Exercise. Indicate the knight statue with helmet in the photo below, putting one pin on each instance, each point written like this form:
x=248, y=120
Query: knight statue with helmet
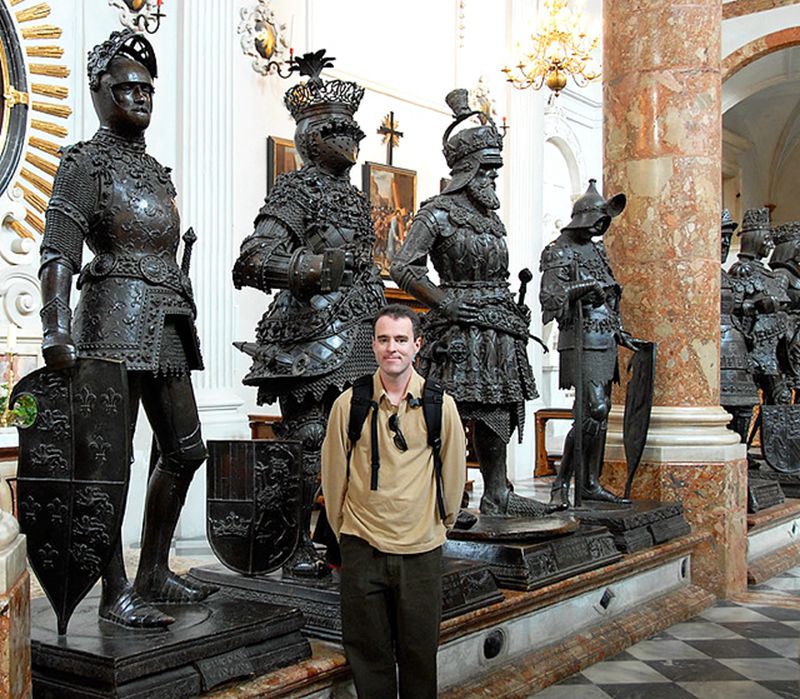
x=313, y=244
x=579, y=292
x=136, y=306
x=476, y=334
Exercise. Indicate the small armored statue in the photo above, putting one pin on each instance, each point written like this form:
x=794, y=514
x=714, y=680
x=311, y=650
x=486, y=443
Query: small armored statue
x=135, y=305
x=313, y=241
x=579, y=292
x=738, y=393
x=762, y=313
x=785, y=262
x=475, y=333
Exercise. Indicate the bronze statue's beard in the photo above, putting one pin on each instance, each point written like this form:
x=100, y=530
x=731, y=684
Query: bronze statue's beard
x=484, y=195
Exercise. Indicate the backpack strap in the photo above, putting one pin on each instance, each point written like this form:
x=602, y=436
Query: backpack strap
x=432, y=399
x=360, y=403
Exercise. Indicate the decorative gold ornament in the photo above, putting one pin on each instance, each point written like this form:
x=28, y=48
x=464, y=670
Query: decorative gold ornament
x=561, y=47
x=263, y=39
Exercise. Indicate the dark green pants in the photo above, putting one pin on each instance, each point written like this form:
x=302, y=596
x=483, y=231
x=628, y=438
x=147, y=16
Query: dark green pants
x=391, y=610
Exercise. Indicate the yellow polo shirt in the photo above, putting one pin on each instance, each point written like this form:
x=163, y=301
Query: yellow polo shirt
x=401, y=516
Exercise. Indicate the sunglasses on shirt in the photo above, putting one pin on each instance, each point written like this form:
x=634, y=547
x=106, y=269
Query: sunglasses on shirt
x=398, y=438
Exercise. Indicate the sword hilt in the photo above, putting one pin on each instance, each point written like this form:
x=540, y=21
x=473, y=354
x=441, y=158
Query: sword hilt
x=189, y=239
x=525, y=277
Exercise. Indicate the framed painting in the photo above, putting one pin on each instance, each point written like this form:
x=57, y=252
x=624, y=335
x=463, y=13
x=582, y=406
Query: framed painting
x=282, y=157
x=392, y=194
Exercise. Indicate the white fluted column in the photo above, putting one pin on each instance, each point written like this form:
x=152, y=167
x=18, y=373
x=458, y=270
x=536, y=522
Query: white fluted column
x=523, y=153
x=207, y=51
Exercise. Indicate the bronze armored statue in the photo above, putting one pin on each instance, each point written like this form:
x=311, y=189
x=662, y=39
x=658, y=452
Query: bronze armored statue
x=135, y=305
x=785, y=262
x=313, y=243
x=476, y=334
x=738, y=392
x=762, y=313
x=579, y=292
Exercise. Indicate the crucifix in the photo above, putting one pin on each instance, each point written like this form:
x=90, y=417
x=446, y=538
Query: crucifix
x=391, y=136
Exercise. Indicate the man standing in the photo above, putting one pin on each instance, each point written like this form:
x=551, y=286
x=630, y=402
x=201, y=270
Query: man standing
x=387, y=520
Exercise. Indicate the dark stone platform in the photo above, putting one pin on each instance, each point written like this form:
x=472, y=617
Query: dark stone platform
x=466, y=586
x=638, y=526
x=210, y=645
x=530, y=565
x=489, y=528
x=789, y=482
x=762, y=493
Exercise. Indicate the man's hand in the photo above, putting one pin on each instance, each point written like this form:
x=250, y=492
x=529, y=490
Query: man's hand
x=628, y=341
x=461, y=311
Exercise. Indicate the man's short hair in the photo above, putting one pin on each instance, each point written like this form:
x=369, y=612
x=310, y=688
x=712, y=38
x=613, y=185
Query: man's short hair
x=397, y=311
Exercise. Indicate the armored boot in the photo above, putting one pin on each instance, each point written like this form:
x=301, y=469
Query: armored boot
x=121, y=604
x=559, y=492
x=155, y=582
x=593, y=490
x=499, y=499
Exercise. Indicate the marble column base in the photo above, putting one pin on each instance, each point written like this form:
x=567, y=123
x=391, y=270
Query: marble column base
x=691, y=456
x=15, y=617
x=714, y=497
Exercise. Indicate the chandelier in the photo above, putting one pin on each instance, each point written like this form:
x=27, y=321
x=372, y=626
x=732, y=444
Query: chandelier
x=561, y=47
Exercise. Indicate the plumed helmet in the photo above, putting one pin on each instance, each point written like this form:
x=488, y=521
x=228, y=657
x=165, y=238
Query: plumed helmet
x=591, y=207
x=470, y=148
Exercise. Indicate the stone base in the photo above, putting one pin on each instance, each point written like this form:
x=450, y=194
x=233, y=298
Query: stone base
x=530, y=639
x=762, y=493
x=15, y=634
x=789, y=482
x=530, y=565
x=773, y=541
x=714, y=498
x=644, y=524
x=466, y=586
x=210, y=645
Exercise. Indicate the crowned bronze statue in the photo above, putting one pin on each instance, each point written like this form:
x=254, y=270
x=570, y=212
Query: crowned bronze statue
x=762, y=313
x=476, y=334
x=313, y=243
x=738, y=392
x=579, y=292
x=136, y=307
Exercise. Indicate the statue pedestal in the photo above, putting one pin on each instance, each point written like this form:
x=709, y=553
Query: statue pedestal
x=529, y=565
x=763, y=493
x=15, y=621
x=773, y=541
x=466, y=586
x=788, y=482
x=643, y=524
x=209, y=645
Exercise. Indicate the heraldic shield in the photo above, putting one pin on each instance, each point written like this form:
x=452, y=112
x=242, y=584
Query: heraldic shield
x=780, y=437
x=253, y=502
x=72, y=478
x=638, y=406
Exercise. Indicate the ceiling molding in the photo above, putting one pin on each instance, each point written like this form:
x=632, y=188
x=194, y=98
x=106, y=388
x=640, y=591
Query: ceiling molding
x=747, y=54
x=737, y=8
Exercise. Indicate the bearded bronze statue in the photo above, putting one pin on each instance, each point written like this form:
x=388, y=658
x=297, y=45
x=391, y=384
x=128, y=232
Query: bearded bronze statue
x=476, y=335
x=762, y=313
x=313, y=243
x=579, y=291
x=738, y=392
x=135, y=305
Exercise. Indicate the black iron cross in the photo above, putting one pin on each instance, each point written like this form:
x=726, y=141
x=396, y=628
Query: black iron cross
x=391, y=136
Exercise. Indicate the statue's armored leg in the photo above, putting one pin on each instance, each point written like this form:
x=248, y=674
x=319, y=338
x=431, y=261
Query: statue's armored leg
x=559, y=492
x=306, y=422
x=171, y=410
x=595, y=429
x=498, y=498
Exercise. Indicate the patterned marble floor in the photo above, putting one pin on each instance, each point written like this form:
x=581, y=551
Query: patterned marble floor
x=748, y=648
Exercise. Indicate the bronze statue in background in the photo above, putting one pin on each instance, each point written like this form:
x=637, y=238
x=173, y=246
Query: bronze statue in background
x=785, y=262
x=135, y=305
x=476, y=335
x=579, y=292
x=313, y=242
x=738, y=392
x=762, y=313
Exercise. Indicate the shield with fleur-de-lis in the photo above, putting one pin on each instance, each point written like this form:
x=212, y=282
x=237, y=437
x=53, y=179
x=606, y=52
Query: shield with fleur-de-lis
x=72, y=478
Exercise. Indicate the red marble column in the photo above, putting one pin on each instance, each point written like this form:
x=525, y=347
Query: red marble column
x=662, y=141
